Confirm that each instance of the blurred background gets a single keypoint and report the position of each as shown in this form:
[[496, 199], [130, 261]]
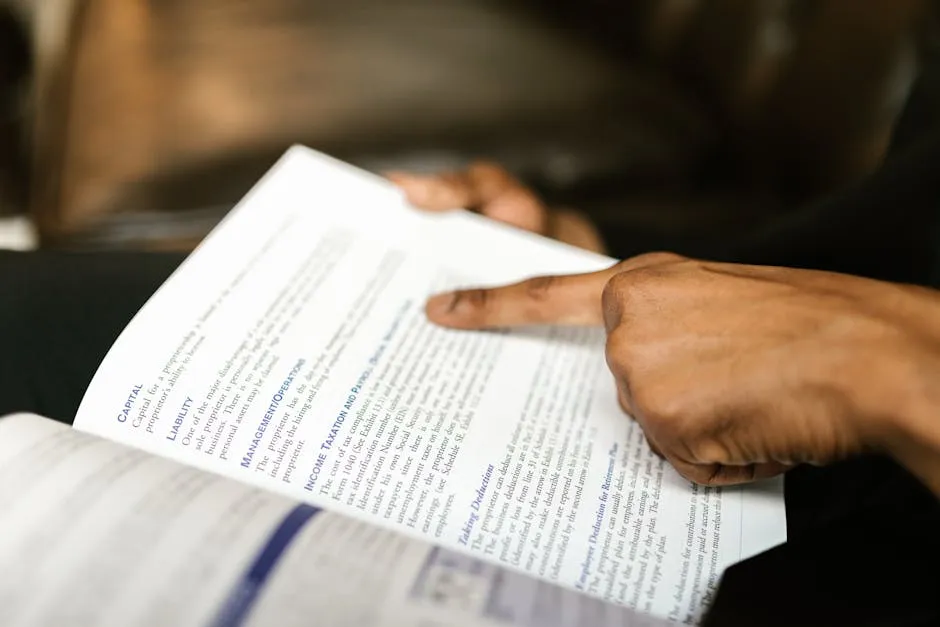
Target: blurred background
[[139, 123]]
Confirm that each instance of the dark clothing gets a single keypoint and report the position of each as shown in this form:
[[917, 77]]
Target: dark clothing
[[862, 550], [885, 227], [863, 542], [59, 315]]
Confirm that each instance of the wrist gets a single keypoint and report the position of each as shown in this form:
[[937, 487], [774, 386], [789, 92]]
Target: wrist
[[891, 377], [911, 417], [917, 442]]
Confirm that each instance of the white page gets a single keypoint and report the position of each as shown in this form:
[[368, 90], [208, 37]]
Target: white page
[[94, 533], [291, 352]]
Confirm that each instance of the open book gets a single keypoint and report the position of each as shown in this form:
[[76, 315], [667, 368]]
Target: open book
[[280, 437]]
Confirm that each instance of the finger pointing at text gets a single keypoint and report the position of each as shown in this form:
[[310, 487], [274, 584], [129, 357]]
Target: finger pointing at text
[[560, 300], [734, 372]]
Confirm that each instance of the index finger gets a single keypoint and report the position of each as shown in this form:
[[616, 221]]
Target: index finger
[[573, 300]]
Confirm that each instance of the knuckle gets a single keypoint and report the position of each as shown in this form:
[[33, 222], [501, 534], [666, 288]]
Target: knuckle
[[640, 283], [478, 299], [647, 399], [630, 290], [612, 304], [701, 475], [657, 258], [520, 196], [710, 451], [539, 289], [471, 305], [519, 207], [624, 403], [447, 179], [486, 172], [619, 351], [611, 294], [664, 414], [484, 166], [628, 346]]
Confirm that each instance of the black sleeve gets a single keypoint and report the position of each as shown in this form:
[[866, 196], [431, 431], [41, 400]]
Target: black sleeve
[[887, 226], [867, 556]]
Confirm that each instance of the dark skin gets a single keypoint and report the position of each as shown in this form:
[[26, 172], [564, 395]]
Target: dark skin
[[735, 372], [489, 190]]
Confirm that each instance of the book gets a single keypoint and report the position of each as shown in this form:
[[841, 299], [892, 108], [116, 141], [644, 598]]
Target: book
[[279, 436]]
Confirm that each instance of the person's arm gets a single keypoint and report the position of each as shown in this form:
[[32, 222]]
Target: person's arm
[[740, 372], [917, 440]]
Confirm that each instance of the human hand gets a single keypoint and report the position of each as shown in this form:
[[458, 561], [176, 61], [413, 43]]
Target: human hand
[[491, 191], [734, 372]]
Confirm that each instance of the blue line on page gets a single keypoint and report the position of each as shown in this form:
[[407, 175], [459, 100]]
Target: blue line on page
[[242, 599]]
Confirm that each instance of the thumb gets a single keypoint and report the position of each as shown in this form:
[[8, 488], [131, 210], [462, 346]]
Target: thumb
[[567, 300]]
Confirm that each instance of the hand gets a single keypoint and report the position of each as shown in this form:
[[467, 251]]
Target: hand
[[737, 373], [491, 191]]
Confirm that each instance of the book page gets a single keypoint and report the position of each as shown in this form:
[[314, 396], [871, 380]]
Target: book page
[[291, 352], [95, 533]]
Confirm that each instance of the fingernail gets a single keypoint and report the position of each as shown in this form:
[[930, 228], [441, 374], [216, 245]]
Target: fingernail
[[441, 305]]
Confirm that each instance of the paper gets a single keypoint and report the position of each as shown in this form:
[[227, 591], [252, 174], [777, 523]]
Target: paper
[[94, 533], [291, 352]]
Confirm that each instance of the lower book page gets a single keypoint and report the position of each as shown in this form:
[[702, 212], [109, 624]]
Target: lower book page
[[291, 352], [94, 533]]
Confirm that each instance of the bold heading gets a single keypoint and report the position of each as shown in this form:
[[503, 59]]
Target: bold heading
[[276, 401], [467, 529], [333, 434], [125, 412]]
